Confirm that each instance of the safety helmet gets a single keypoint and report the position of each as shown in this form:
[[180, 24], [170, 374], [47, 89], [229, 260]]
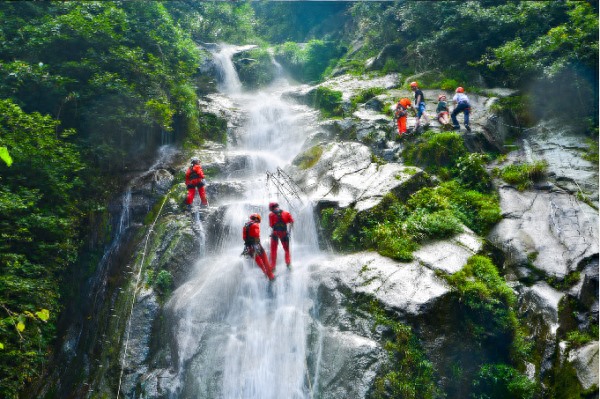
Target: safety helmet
[[405, 102], [413, 84], [195, 160], [255, 217], [441, 96], [273, 205], [460, 90]]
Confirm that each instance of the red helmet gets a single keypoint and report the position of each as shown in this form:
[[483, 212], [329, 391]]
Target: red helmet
[[460, 90], [405, 102], [256, 217], [413, 84], [273, 205], [441, 96]]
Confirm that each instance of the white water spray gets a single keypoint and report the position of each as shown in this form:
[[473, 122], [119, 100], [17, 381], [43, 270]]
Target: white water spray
[[239, 335]]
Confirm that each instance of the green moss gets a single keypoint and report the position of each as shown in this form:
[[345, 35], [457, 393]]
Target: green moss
[[328, 101], [211, 127], [499, 381], [591, 154], [523, 175], [407, 372], [257, 70], [434, 150], [309, 158], [365, 95]]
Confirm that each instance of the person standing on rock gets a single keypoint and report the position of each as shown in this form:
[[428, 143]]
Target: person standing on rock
[[401, 113], [253, 247], [194, 179], [461, 104], [419, 105], [281, 222]]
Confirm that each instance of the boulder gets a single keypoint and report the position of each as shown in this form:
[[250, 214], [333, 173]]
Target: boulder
[[585, 361], [345, 174], [553, 231], [407, 288]]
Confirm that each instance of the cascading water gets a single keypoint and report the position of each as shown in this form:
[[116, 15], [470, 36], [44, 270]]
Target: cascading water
[[237, 334]]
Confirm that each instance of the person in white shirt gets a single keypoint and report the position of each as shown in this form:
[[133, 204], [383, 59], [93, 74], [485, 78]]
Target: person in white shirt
[[461, 104]]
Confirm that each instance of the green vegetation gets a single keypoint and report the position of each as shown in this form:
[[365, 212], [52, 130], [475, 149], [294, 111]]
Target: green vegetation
[[328, 101], [308, 63], [256, 68], [499, 381], [395, 228], [309, 158], [407, 373], [40, 214], [365, 95], [436, 150], [522, 176]]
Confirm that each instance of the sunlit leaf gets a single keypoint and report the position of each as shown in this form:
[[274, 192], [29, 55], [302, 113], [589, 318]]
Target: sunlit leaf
[[5, 156], [1, 345], [43, 314], [20, 326]]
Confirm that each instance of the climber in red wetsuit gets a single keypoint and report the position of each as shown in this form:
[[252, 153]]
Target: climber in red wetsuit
[[253, 248], [279, 220], [194, 179]]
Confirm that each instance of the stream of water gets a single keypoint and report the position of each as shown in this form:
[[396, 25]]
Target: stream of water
[[237, 334]]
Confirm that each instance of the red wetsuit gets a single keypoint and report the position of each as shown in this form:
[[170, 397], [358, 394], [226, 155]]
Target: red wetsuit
[[251, 236], [278, 220], [193, 181]]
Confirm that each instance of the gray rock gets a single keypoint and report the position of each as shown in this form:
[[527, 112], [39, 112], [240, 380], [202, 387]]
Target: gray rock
[[449, 255], [553, 231], [345, 174], [408, 288], [585, 361]]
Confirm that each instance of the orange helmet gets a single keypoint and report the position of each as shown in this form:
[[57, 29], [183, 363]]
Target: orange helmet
[[460, 90], [441, 96], [256, 217], [405, 102], [413, 84], [273, 205]]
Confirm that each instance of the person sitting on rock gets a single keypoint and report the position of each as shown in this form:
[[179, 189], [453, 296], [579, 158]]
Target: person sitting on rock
[[462, 104], [253, 247], [401, 113], [443, 114], [281, 222], [194, 179]]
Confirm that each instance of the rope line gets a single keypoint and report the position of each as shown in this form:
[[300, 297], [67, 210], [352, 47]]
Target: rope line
[[135, 292]]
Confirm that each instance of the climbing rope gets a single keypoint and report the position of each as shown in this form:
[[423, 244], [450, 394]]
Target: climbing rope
[[135, 292]]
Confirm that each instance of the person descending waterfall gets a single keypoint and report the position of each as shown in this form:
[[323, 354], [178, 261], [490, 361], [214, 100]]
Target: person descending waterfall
[[194, 179], [253, 247], [281, 222]]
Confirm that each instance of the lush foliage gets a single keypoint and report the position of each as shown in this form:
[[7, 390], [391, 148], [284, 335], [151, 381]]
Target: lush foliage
[[39, 214], [395, 228], [328, 101], [308, 62], [256, 68], [498, 381], [436, 150], [550, 46], [407, 373], [522, 176]]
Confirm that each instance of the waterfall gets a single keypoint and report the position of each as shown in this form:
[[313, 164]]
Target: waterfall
[[230, 82], [237, 334]]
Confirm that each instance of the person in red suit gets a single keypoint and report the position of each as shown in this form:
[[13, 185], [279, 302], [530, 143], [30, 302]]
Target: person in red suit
[[194, 179], [253, 248], [279, 220]]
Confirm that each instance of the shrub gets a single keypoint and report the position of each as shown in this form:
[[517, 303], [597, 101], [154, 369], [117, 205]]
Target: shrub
[[471, 171], [257, 70], [365, 95], [328, 101], [435, 150], [502, 381], [522, 176], [164, 282]]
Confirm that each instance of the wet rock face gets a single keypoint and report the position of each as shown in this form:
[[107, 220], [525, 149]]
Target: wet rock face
[[585, 361], [344, 173], [552, 230]]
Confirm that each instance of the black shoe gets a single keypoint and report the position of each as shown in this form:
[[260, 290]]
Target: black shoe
[[456, 127], [468, 128], [289, 266]]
